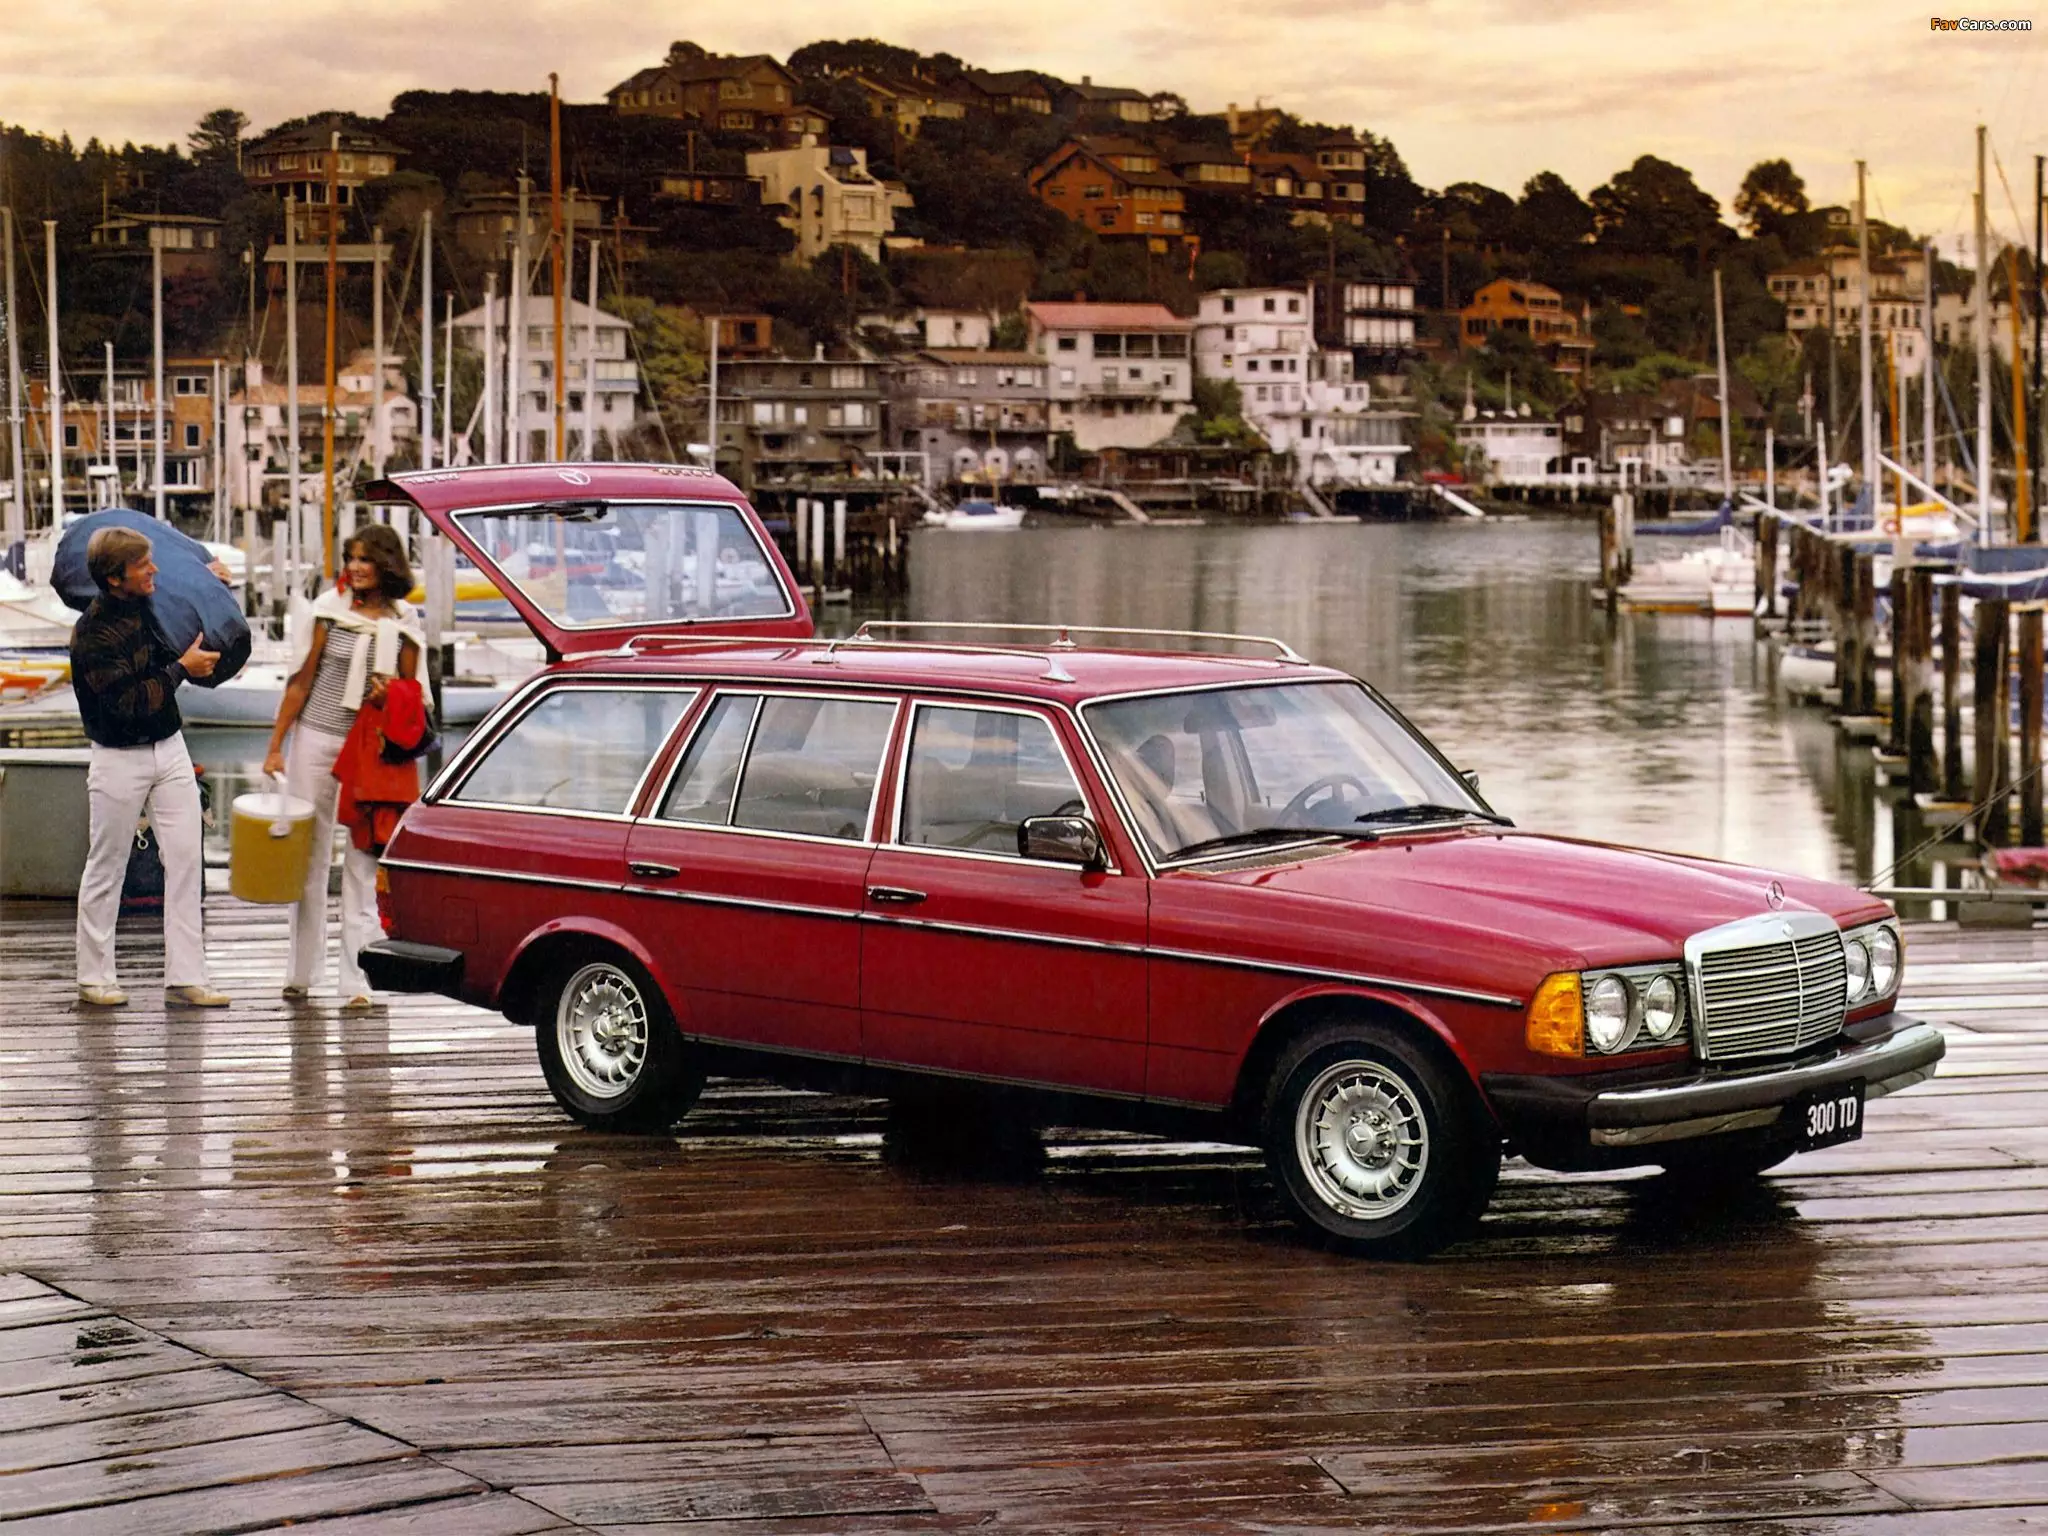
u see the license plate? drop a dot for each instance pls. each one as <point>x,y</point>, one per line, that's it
<point>1826,1117</point>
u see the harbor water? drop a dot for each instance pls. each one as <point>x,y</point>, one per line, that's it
<point>1661,730</point>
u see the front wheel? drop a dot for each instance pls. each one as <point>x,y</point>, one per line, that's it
<point>1379,1151</point>
<point>610,1050</point>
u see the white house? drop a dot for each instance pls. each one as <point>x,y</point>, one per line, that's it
<point>1517,450</point>
<point>1304,400</point>
<point>609,371</point>
<point>1119,375</point>
<point>258,438</point>
<point>826,196</point>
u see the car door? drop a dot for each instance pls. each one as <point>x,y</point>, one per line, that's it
<point>751,865</point>
<point>975,960</point>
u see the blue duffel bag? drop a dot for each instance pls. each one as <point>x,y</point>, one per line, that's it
<point>190,600</point>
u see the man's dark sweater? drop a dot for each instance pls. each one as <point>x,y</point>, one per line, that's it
<point>125,674</point>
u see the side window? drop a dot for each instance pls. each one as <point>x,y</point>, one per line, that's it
<point>813,766</point>
<point>578,749</point>
<point>711,768</point>
<point>974,775</point>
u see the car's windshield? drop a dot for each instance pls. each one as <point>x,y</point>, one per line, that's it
<point>1243,765</point>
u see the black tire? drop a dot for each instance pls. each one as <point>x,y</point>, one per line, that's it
<point>1414,1161</point>
<point>609,1046</point>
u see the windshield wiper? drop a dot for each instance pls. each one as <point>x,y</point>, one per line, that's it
<point>1253,837</point>
<point>1411,813</point>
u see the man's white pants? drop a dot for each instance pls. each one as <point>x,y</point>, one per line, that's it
<point>309,775</point>
<point>120,783</point>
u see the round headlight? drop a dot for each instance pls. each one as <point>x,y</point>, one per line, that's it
<point>1857,954</point>
<point>1884,962</point>
<point>1607,1013</point>
<point>1660,1008</point>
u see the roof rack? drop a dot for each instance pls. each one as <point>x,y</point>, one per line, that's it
<point>866,636</point>
<point>1063,633</point>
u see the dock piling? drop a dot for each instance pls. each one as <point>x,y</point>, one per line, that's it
<point>1951,692</point>
<point>2030,726</point>
<point>1993,664</point>
<point>1918,707</point>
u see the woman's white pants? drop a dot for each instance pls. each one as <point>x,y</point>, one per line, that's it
<point>309,775</point>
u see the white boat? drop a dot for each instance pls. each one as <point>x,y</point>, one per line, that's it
<point>975,514</point>
<point>33,617</point>
<point>1718,578</point>
<point>486,673</point>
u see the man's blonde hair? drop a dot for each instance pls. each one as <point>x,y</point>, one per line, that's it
<point>110,552</point>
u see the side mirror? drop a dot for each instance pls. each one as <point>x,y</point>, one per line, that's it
<point>1471,778</point>
<point>1062,840</point>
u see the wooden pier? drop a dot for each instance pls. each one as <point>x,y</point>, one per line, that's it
<point>355,1274</point>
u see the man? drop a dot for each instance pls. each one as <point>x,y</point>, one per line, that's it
<point>126,677</point>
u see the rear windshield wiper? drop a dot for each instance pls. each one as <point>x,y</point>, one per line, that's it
<point>1253,837</point>
<point>1399,814</point>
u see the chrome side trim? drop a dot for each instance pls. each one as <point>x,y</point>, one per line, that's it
<point>427,867</point>
<point>781,908</point>
<point>1355,978</point>
<point>971,930</point>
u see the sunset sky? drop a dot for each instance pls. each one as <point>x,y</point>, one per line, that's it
<point>1486,90</point>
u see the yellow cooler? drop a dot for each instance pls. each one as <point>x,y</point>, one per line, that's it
<point>270,847</point>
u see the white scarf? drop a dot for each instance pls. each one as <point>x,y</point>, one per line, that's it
<point>380,655</point>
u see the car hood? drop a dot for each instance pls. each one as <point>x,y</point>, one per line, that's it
<point>1578,903</point>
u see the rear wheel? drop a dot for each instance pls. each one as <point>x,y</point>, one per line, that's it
<point>1379,1150</point>
<point>609,1047</point>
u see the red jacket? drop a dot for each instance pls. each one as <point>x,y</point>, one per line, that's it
<point>374,793</point>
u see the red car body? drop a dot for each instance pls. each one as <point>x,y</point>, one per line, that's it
<point>1396,977</point>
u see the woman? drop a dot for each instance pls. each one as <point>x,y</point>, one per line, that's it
<point>362,635</point>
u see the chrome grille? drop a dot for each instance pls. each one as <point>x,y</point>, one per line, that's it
<point>1765,986</point>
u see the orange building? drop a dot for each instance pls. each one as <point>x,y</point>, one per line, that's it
<point>1118,188</point>
<point>1535,311</point>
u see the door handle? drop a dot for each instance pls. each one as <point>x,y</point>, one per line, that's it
<point>894,896</point>
<point>648,871</point>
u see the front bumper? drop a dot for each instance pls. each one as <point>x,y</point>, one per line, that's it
<point>1574,1121</point>
<point>398,965</point>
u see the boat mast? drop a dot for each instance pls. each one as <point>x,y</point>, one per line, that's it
<point>17,493</point>
<point>1982,328</point>
<point>427,339</point>
<point>294,525</point>
<point>156,369</point>
<point>515,333</point>
<point>1727,418</point>
<point>2023,509</point>
<point>377,351</point>
<point>327,415</point>
<point>107,448</point>
<point>448,382</point>
<point>1927,385</point>
<point>561,400</point>
<point>1870,484</point>
<point>590,367</point>
<point>56,384</point>
<point>491,422</point>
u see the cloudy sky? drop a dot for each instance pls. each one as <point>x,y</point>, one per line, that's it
<point>1486,90</point>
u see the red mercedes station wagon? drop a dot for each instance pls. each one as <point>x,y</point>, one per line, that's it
<point>1189,883</point>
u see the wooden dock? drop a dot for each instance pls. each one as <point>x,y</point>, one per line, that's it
<point>271,1266</point>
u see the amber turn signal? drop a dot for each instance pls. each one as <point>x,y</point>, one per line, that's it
<point>1557,1016</point>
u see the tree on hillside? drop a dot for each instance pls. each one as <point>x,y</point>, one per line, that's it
<point>1772,195</point>
<point>1391,194</point>
<point>218,136</point>
<point>1655,208</point>
<point>1475,213</point>
<point>1551,218</point>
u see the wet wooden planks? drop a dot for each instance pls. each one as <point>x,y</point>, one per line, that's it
<point>275,1265</point>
